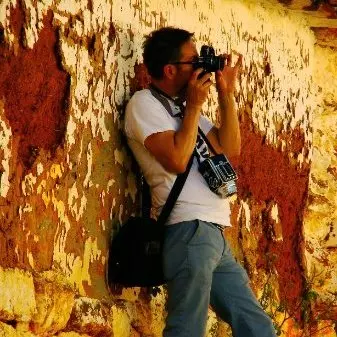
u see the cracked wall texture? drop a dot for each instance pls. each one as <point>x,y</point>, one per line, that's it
<point>67,179</point>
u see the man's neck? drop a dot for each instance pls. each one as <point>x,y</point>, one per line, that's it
<point>166,88</point>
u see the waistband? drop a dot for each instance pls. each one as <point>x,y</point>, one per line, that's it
<point>218,226</point>
<point>208,223</point>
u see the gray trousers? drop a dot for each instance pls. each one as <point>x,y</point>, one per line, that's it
<point>201,271</point>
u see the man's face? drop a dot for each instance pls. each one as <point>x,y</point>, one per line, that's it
<point>188,53</point>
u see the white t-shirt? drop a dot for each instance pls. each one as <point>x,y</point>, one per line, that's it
<point>144,116</point>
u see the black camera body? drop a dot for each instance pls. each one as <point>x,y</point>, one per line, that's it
<point>208,60</point>
<point>219,175</point>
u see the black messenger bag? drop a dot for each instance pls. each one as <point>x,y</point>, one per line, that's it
<point>135,254</point>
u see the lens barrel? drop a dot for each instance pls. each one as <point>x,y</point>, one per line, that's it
<point>208,61</point>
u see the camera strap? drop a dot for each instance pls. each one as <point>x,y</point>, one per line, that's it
<point>210,146</point>
<point>163,98</point>
<point>202,144</point>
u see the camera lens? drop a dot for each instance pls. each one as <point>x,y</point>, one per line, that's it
<point>208,60</point>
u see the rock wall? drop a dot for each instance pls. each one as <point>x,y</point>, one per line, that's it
<point>67,179</point>
<point>320,220</point>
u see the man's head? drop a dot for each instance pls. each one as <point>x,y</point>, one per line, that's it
<point>164,47</point>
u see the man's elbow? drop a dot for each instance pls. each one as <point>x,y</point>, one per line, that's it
<point>232,151</point>
<point>176,167</point>
<point>174,164</point>
<point>237,151</point>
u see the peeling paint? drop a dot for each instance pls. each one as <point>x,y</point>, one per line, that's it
<point>274,213</point>
<point>25,209</point>
<point>87,183</point>
<point>119,157</point>
<point>31,259</point>
<point>56,171</point>
<point>28,105</point>
<point>66,178</point>
<point>39,169</point>
<point>28,184</point>
<point>73,198</point>
<point>5,153</point>
<point>245,213</point>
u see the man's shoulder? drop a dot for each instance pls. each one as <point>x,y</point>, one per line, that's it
<point>142,102</point>
<point>141,107</point>
<point>141,96</point>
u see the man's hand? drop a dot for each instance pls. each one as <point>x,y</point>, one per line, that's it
<point>226,79</point>
<point>198,89</point>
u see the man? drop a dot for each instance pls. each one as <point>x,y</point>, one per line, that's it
<point>198,264</point>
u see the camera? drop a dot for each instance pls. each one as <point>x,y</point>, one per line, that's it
<point>208,61</point>
<point>219,175</point>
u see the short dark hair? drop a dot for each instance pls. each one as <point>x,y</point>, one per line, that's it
<point>161,47</point>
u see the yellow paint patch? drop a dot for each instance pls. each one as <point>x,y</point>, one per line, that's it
<point>56,171</point>
<point>121,323</point>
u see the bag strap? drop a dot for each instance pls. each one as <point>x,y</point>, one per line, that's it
<point>146,199</point>
<point>178,184</point>
<point>174,193</point>
<point>171,199</point>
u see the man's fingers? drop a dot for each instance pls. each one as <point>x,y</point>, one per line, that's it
<point>208,84</point>
<point>239,61</point>
<point>205,78</point>
<point>201,79</point>
<point>229,59</point>
<point>196,74</point>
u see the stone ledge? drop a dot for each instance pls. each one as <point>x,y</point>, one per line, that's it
<point>7,330</point>
<point>71,334</point>
<point>54,303</point>
<point>90,316</point>
<point>45,304</point>
<point>121,323</point>
<point>17,300</point>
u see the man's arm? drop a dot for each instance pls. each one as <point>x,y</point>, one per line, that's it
<point>173,149</point>
<point>226,138</point>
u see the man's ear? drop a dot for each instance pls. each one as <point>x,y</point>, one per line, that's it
<point>169,71</point>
